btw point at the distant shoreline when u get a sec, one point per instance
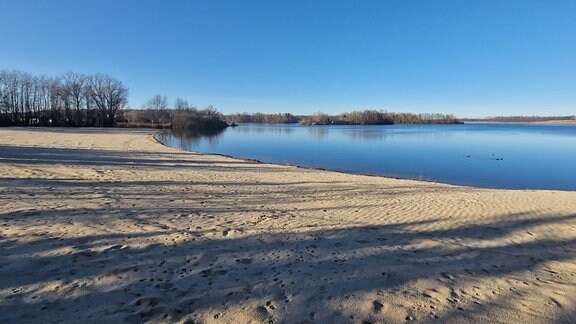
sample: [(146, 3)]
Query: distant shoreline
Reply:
[(557, 122), (548, 122)]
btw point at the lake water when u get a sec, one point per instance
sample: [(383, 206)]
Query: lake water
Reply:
[(518, 156)]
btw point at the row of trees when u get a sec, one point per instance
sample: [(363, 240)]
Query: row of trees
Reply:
[(361, 117), (375, 117), (260, 118), (425, 118), (72, 99)]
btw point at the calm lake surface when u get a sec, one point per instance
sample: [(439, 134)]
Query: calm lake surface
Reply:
[(518, 156)]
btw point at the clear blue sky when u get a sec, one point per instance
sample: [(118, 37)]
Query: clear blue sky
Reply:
[(466, 57)]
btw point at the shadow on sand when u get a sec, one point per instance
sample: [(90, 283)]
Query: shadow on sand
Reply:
[(171, 264)]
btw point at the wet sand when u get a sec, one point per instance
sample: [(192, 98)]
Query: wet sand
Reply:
[(111, 226)]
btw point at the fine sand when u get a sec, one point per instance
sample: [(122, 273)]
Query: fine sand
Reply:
[(110, 226)]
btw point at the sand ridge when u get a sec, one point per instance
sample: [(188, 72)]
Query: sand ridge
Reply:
[(109, 225)]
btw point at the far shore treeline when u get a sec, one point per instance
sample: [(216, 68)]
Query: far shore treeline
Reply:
[(99, 100), (364, 117), (521, 119)]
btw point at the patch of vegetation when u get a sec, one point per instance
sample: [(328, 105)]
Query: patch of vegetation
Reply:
[(260, 118), (158, 114), (206, 121), (374, 117)]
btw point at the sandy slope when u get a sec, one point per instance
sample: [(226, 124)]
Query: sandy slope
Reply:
[(110, 226)]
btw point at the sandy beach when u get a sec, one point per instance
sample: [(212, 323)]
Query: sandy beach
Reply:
[(110, 226)]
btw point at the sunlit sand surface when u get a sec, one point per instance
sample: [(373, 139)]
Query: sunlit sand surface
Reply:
[(111, 226)]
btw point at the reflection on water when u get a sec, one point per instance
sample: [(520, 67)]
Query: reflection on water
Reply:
[(366, 135), (318, 131), (187, 139), (261, 129), (488, 155)]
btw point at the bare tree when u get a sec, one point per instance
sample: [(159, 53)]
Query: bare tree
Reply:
[(109, 95), (74, 87), (157, 107), (157, 102), (4, 98), (181, 104), (211, 111)]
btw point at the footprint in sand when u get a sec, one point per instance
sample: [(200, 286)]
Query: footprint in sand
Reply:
[(377, 306), (147, 306)]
